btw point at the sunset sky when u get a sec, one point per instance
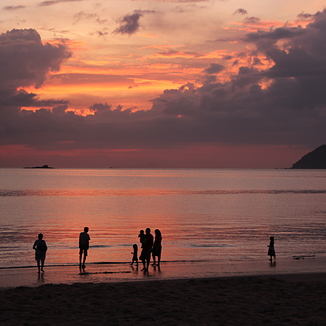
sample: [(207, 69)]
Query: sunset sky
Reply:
[(174, 83)]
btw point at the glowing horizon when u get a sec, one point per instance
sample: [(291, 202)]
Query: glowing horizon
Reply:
[(154, 75)]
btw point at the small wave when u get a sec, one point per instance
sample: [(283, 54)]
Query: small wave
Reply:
[(91, 273), (304, 256), (110, 193), (212, 246)]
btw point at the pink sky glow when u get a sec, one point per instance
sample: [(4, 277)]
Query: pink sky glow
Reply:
[(122, 83)]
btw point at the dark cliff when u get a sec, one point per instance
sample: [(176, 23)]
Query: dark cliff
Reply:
[(313, 160)]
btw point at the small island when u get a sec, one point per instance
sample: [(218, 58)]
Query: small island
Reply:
[(39, 167), (313, 160)]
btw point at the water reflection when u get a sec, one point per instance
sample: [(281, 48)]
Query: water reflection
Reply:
[(40, 278), (272, 263), (217, 215)]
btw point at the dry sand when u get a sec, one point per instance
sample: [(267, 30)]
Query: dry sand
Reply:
[(249, 300)]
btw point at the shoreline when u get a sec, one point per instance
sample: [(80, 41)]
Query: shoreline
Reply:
[(123, 272), (290, 299)]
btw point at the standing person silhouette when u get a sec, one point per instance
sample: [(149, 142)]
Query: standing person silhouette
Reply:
[(40, 248), (157, 248), (83, 246), (271, 249), (147, 249), (134, 255), (141, 237)]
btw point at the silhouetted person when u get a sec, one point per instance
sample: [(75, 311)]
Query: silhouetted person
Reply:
[(141, 237), (83, 246), (271, 249), (40, 248), (147, 249), (134, 255), (157, 248)]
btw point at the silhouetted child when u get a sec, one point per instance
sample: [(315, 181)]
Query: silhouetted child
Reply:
[(134, 255), (271, 249), (142, 237)]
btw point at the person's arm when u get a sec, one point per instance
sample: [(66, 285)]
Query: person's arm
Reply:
[(34, 245)]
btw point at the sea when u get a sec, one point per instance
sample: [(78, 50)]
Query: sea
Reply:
[(203, 214)]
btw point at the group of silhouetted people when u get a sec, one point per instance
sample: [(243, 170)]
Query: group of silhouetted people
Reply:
[(40, 248), (149, 246)]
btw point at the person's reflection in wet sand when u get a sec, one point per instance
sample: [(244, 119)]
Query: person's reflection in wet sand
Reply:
[(40, 277), (81, 269), (134, 269), (272, 263), (158, 267)]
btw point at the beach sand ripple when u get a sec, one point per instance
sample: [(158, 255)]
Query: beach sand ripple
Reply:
[(219, 301)]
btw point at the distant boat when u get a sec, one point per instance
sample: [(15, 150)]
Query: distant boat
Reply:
[(39, 167)]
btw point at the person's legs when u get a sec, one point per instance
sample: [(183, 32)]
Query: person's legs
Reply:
[(148, 259), (38, 265), (84, 259), (42, 262)]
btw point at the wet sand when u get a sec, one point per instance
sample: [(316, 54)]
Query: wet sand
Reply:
[(178, 294), (107, 273)]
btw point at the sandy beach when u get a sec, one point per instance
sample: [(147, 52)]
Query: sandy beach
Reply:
[(250, 300), (178, 294)]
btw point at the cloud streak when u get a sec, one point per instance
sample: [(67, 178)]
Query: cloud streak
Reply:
[(55, 2), (129, 24)]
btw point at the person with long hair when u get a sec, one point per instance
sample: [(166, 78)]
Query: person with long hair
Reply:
[(271, 250), (157, 248)]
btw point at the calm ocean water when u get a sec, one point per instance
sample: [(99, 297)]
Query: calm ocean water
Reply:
[(203, 214)]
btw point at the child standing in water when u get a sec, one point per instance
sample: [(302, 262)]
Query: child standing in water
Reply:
[(271, 249), (134, 255)]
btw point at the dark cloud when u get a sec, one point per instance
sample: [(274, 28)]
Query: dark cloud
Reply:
[(13, 7), (55, 2), (129, 24), (305, 16), (274, 35), (18, 98), (251, 20), (283, 103), (86, 16), (241, 11), (25, 60), (214, 68)]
